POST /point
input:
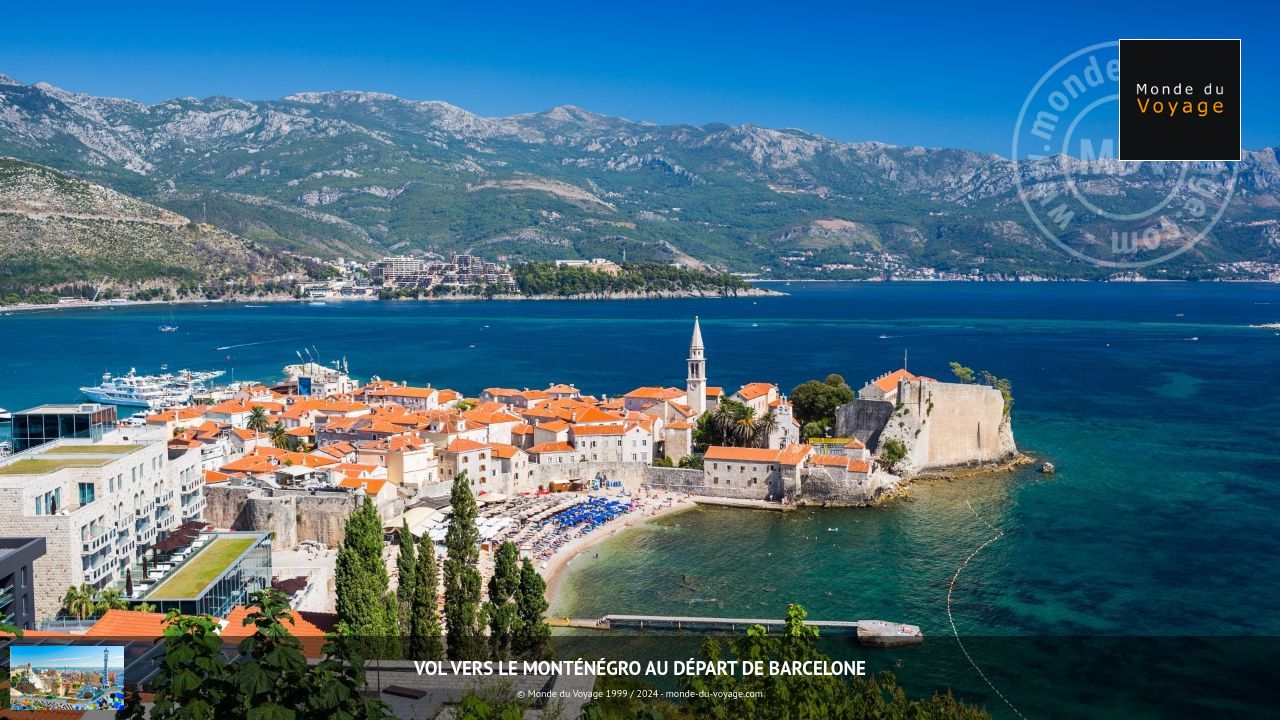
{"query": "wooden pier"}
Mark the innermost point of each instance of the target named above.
(879, 633)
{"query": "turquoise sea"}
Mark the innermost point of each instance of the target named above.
(1149, 561)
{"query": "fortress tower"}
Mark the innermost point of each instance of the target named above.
(696, 386)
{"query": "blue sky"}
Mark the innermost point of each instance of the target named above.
(910, 73)
(65, 656)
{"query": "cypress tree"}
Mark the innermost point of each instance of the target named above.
(464, 639)
(532, 639)
(503, 611)
(424, 618)
(407, 568)
(360, 577)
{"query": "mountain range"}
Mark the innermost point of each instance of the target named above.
(361, 174)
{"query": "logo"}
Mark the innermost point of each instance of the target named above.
(1082, 197)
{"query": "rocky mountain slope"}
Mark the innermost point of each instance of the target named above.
(57, 231)
(360, 174)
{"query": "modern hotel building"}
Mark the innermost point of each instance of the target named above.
(99, 504)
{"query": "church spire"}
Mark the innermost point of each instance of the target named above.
(696, 385)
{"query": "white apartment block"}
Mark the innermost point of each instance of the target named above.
(99, 506)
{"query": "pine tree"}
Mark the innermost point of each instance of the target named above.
(503, 611)
(532, 639)
(461, 577)
(407, 568)
(424, 620)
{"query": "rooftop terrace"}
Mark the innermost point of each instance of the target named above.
(63, 454)
(197, 573)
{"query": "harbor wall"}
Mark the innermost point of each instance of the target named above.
(697, 482)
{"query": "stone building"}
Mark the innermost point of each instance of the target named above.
(99, 505)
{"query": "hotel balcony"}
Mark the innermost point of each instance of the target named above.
(6, 596)
(192, 508)
(194, 483)
(165, 497)
(99, 571)
(145, 509)
(96, 542)
(146, 535)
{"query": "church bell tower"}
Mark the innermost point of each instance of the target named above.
(696, 386)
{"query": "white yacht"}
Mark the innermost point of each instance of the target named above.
(149, 391)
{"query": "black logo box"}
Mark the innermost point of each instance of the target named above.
(1187, 68)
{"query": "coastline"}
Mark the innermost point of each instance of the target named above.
(254, 300)
(556, 567)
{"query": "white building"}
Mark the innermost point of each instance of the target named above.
(98, 504)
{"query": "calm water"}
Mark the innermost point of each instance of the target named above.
(1160, 522)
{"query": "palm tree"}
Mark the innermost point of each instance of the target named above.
(258, 420)
(79, 601)
(111, 599)
(280, 437)
(764, 427)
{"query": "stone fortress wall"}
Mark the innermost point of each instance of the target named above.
(942, 425)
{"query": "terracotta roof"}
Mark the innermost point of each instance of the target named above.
(751, 391)
(679, 425)
(553, 426)
(596, 415)
(561, 388)
(371, 486)
(736, 454)
(830, 460)
(409, 391)
(889, 382)
(612, 429)
(213, 476)
(855, 443)
(504, 451)
(794, 454)
(859, 466)
(187, 413)
(550, 447)
(461, 445)
(128, 624)
(655, 393)
(309, 628)
(301, 431)
(398, 443)
(713, 391)
(522, 429)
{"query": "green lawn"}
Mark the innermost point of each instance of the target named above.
(94, 449)
(42, 465)
(202, 569)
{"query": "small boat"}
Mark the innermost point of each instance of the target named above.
(1194, 339)
(755, 324)
(1048, 468)
(835, 529)
(317, 304)
(168, 328)
(884, 337)
(5, 415)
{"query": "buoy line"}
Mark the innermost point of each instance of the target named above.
(951, 588)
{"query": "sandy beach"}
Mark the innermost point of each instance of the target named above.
(656, 505)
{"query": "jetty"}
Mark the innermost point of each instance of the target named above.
(875, 633)
(741, 503)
